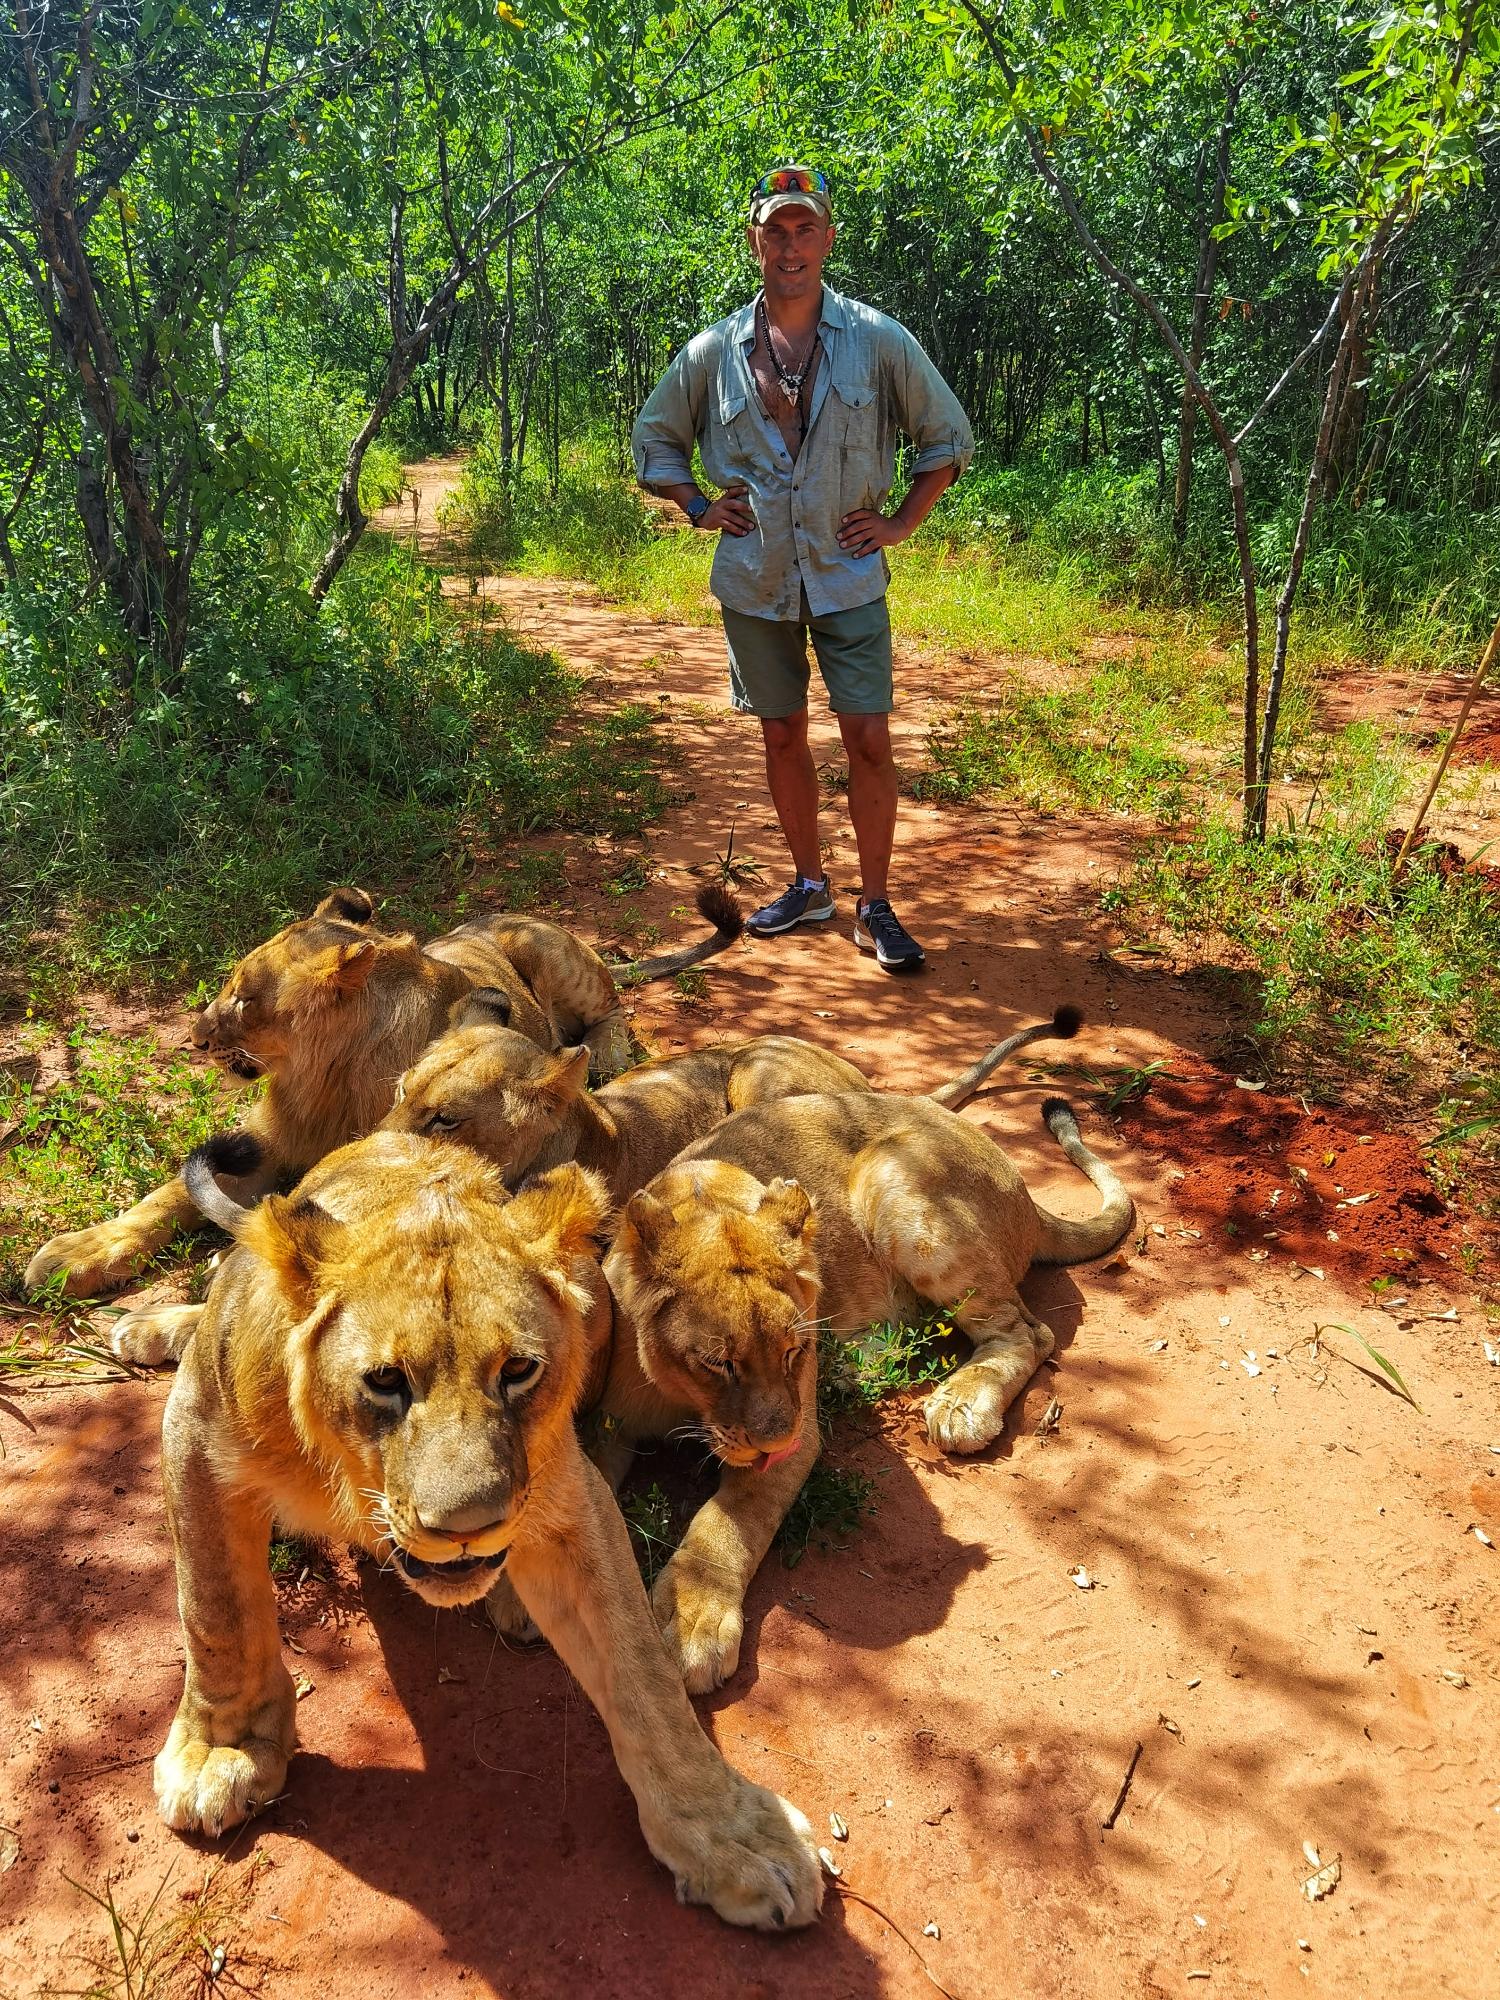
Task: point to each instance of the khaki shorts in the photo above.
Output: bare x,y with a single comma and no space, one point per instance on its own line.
768,670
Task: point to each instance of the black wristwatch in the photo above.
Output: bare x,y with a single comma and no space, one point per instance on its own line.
696,508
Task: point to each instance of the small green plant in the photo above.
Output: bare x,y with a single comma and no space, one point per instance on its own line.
830,1509
737,869
1387,1368
889,1355
691,987
630,878
653,1529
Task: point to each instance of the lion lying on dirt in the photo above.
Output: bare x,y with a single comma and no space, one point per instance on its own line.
847,1209
393,1358
332,1010
527,1111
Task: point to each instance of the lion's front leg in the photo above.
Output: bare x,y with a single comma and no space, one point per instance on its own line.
699,1598
731,1844
968,1410
107,1256
236,1727
155,1335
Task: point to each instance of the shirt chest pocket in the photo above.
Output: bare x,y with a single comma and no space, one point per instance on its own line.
854,408
736,430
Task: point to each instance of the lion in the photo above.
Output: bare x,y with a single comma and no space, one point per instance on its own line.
841,1210
527,1110
332,1010
392,1357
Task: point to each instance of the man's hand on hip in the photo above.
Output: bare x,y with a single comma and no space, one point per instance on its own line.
730,513
864,531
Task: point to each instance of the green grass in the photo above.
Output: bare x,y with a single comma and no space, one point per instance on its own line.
830,1511
151,839
120,1123
854,1375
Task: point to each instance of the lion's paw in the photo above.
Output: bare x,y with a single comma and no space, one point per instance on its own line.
509,1615
702,1623
156,1335
96,1261
964,1416
754,1861
209,1787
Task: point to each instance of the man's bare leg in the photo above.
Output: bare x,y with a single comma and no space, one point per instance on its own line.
872,796
793,783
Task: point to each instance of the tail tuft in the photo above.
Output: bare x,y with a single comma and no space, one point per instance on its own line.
721,909
235,1152
1067,1021
1060,1118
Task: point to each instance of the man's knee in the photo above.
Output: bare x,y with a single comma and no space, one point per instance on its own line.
784,734
867,739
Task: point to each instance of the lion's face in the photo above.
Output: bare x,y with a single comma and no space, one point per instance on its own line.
718,1273
490,1089
439,1353
311,965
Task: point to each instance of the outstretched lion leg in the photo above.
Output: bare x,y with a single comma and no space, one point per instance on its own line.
236,1725
156,1335
106,1256
729,1843
1010,1343
699,1598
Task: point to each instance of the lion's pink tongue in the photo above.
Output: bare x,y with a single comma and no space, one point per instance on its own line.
769,1458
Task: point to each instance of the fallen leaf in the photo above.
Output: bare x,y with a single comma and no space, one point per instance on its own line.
1248,1365
10,1848
1355,1201
934,1819
931,1930
1157,1229
303,1686
1051,1418
1172,1728
1481,1536
1492,1355
1325,1877
1241,1083
821,1014
829,1863
1455,1680
1081,1577
446,1674
1158,1346
837,1826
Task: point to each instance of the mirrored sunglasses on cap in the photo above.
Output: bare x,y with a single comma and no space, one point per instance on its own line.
791,180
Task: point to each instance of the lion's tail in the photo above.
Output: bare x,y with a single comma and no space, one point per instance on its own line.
722,911
1066,1242
233,1153
1064,1024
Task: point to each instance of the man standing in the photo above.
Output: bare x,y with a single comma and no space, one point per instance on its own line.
794,403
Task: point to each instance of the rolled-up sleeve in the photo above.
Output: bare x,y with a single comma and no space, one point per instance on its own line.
927,409
661,442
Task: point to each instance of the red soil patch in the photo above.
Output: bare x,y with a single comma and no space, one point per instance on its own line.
1317,1187
1479,746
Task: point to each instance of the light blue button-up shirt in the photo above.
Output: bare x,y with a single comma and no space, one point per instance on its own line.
873,380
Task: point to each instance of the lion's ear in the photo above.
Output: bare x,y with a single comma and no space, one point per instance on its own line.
484,1007
643,1223
565,1076
560,1216
345,967
788,1208
294,1238
355,906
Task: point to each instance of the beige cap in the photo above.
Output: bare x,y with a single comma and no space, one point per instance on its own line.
809,195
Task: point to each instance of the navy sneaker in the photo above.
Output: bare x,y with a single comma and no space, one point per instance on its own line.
796,904
877,928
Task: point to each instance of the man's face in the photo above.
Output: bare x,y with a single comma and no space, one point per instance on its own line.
791,248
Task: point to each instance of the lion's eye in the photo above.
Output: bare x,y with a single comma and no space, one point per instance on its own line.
520,1371
442,1121
717,1367
389,1384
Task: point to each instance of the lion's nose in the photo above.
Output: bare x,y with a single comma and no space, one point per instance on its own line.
461,1524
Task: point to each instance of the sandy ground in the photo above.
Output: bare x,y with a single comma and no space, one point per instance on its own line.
1290,1611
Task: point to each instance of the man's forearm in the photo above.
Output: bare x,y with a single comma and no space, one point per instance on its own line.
681,491
922,496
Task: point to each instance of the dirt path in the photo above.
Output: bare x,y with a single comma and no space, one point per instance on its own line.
1290,1610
